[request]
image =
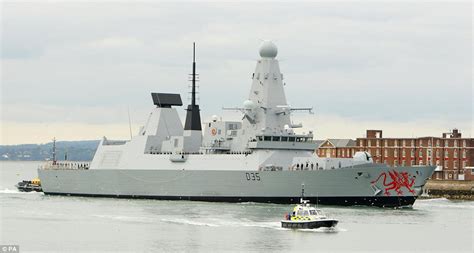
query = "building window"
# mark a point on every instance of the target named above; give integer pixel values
(463, 164)
(404, 163)
(334, 152)
(386, 152)
(455, 153)
(361, 143)
(464, 143)
(339, 152)
(412, 143)
(378, 143)
(437, 153)
(412, 153)
(412, 163)
(378, 152)
(437, 143)
(395, 163)
(395, 143)
(437, 163)
(395, 152)
(429, 143)
(403, 153)
(446, 154)
(370, 143)
(455, 164)
(446, 164)
(420, 154)
(455, 143)
(464, 153)
(446, 143)
(421, 143)
(386, 143)
(404, 143)
(344, 153)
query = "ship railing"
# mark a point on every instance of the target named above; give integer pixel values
(65, 166)
(205, 152)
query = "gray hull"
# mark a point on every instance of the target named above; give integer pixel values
(372, 185)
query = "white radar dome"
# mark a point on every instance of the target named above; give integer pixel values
(362, 156)
(249, 105)
(268, 49)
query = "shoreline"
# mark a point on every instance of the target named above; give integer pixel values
(449, 189)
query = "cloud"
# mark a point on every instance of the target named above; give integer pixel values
(115, 42)
(374, 62)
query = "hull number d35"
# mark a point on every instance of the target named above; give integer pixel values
(251, 176)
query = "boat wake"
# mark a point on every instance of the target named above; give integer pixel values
(434, 200)
(444, 203)
(244, 223)
(189, 222)
(321, 230)
(16, 191)
(126, 218)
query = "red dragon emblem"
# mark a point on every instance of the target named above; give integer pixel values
(399, 180)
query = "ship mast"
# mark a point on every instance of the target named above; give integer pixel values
(193, 117)
(193, 92)
(54, 151)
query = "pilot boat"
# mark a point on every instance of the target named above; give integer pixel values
(304, 216)
(29, 185)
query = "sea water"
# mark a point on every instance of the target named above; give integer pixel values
(37, 222)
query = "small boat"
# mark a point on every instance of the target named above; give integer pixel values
(29, 185)
(304, 216)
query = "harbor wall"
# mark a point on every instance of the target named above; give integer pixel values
(450, 189)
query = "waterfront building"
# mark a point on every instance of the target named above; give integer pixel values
(452, 154)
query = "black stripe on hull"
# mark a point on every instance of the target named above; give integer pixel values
(383, 201)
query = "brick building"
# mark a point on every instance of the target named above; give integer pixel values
(452, 155)
(336, 148)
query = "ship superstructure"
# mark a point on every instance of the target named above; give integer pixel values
(260, 158)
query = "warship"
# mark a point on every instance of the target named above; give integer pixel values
(260, 158)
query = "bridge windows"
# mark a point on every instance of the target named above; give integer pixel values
(278, 138)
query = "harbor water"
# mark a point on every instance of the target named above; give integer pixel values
(37, 222)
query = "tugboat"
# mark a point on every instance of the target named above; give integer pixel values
(304, 216)
(29, 185)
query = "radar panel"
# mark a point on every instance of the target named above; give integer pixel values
(166, 99)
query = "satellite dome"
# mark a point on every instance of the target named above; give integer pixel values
(268, 49)
(249, 105)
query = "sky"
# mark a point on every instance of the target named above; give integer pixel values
(74, 70)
